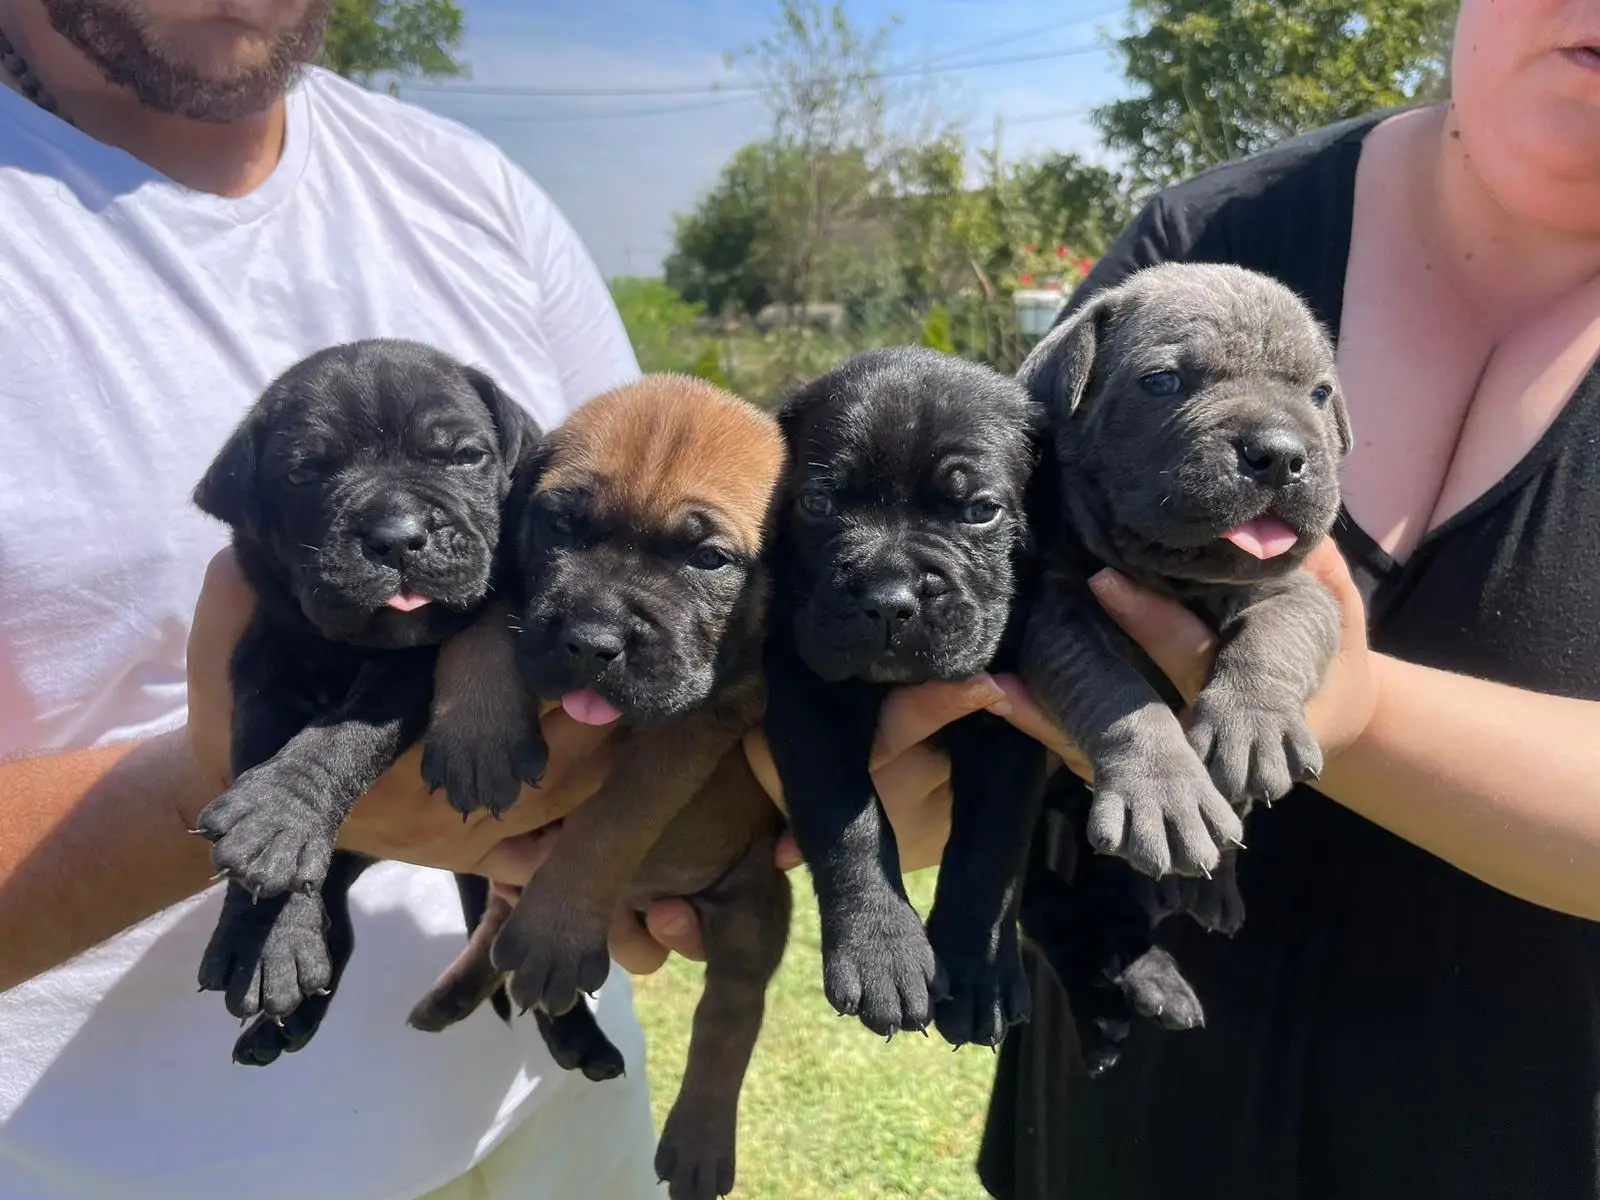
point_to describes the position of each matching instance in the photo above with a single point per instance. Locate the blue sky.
(619, 176)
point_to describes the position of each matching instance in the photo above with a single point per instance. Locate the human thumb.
(1176, 640)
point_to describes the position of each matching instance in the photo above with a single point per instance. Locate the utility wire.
(895, 72)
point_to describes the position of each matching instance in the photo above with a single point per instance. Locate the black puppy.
(904, 557)
(1198, 426)
(364, 491)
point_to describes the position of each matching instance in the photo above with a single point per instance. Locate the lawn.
(829, 1110)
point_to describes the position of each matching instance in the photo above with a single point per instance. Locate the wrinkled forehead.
(347, 414)
(675, 472)
(1221, 331)
(894, 440)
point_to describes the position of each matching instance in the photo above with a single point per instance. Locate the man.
(186, 213)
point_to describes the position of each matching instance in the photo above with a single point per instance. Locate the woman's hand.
(399, 818)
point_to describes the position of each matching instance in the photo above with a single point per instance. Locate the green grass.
(829, 1110)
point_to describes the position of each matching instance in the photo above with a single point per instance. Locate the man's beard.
(112, 35)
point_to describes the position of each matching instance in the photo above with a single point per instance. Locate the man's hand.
(399, 818)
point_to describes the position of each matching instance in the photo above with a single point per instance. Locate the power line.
(1023, 35)
(567, 118)
(897, 72)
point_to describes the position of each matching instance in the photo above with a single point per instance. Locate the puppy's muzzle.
(1272, 456)
(887, 610)
(394, 539)
(590, 647)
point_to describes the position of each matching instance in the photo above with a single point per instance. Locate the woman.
(1413, 1007)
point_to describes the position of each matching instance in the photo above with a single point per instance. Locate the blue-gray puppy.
(1198, 426)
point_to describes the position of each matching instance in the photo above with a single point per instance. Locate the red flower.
(1061, 251)
(1025, 279)
(1029, 249)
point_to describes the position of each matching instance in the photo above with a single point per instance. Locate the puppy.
(904, 557)
(1199, 428)
(364, 491)
(640, 592)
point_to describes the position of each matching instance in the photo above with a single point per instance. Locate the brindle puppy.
(640, 590)
(364, 491)
(1198, 425)
(905, 557)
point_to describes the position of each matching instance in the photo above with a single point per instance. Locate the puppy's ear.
(229, 490)
(1341, 422)
(1058, 371)
(516, 524)
(519, 433)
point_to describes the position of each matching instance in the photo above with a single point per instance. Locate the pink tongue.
(1265, 537)
(589, 707)
(407, 601)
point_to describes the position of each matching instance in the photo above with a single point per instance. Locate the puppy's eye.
(302, 474)
(468, 456)
(980, 512)
(1321, 394)
(709, 558)
(561, 521)
(1162, 383)
(816, 504)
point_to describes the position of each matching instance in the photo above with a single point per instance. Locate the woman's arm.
(1504, 784)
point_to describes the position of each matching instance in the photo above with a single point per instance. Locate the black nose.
(1275, 457)
(891, 606)
(591, 646)
(391, 538)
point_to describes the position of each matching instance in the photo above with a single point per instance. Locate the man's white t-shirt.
(138, 320)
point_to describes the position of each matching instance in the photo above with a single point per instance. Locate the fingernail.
(1109, 585)
(985, 692)
(675, 925)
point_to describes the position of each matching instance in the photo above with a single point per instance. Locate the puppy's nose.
(591, 646)
(1274, 457)
(391, 538)
(891, 606)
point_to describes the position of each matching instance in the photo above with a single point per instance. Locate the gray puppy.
(1199, 427)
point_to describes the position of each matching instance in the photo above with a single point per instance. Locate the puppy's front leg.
(274, 829)
(554, 942)
(877, 962)
(483, 740)
(997, 777)
(1250, 719)
(1154, 803)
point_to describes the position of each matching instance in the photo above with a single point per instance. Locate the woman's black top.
(1385, 1027)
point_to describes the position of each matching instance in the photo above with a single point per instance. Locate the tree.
(1067, 200)
(403, 38)
(723, 253)
(1218, 79)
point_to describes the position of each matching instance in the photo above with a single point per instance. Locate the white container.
(1037, 309)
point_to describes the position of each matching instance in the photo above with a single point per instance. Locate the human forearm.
(1502, 783)
(92, 842)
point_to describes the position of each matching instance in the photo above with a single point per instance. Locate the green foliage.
(406, 38)
(1218, 79)
(661, 325)
(709, 366)
(724, 255)
(936, 330)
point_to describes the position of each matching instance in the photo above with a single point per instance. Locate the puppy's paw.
(577, 1043)
(269, 957)
(271, 831)
(1157, 990)
(695, 1157)
(269, 1038)
(482, 773)
(1214, 904)
(449, 1002)
(988, 989)
(1156, 807)
(1256, 752)
(878, 964)
(551, 957)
